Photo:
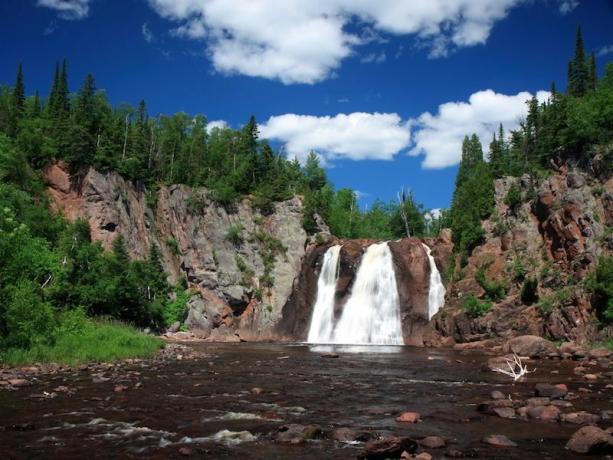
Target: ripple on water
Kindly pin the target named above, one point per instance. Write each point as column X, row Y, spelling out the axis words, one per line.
column 225, row 437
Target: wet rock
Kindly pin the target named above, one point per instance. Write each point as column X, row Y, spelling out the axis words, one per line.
column 408, row 417
column 532, row 402
column 545, row 413
column 296, row 434
column 497, row 395
column 529, row 345
column 489, row 407
column 505, row 412
column 591, row 440
column 344, row 435
column 432, row 442
column 423, row 456
column 590, row 377
column 580, row 418
column 561, row 403
column 186, row 451
column 18, row 382
column 551, row 391
column 498, row 440
column 388, row 447
column 598, row 353
column 330, row 355
column 119, row 388
column 257, row 390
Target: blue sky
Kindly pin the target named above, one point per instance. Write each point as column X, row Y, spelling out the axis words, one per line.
column 382, row 90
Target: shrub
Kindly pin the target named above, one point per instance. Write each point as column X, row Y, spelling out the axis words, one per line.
column 173, row 246
column 176, row 310
column 513, row 198
column 519, row 270
column 529, row 291
column 494, row 290
column 476, row 308
column 196, row 203
column 600, row 284
column 235, row 234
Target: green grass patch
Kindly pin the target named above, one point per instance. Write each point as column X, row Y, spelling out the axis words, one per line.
column 89, row 341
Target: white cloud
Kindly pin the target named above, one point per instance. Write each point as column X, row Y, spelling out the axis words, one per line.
column 354, row 136
column 608, row 49
column 147, row 34
column 566, row 6
column 439, row 137
column 301, row 41
column 377, row 58
column 68, row 9
column 221, row 124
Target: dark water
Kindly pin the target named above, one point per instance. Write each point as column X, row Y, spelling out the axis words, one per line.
column 190, row 403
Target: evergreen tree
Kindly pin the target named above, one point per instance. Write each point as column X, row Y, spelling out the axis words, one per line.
column 592, row 74
column 36, row 108
column 18, row 101
column 578, row 69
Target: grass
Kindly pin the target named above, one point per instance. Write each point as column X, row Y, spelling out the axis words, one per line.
column 95, row 341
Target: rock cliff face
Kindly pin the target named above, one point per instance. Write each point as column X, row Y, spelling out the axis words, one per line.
column 240, row 265
column 554, row 237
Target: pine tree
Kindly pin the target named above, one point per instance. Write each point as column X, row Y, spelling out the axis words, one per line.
column 592, row 74
column 52, row 103
column 18, row 101
column 63, row 101
column 36, row 108
column 578, row 69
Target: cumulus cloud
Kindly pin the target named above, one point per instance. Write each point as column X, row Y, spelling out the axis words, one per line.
column 354, row 136
column 67, row 9
column 298, row 41
column 566, row 6
column 211, row 125
column 608, row 49
column 439, row 137
column 147, row 34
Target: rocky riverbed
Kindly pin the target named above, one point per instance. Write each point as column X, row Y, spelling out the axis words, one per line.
column 265, row 401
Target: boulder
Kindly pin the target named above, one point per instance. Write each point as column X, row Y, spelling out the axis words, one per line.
column 529, row 345
column 581, row 418
column 432, row 442
column 408, row 417
column 498, row 440
column 591, row 440
column 551, row 391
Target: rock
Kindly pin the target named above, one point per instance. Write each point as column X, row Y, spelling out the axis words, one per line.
column 489, row 407
column 120, row 388
column 551, row 391
column 529, row 345
column 591, row 440
column 505, row 412
column 186, row 451
column 18, row 382
column 497, row 395
column 423, row 456
column 598, row 353
column 545, row 413
column 590, row 377
column 330, row 355
column 580, row 418
column 344, row 435
column 296, row 434
column 257, row 390
column 498, row 440
column 408, row 417
column 174, row 327
column 432, row 442
column 388, row 447
column 532, row 402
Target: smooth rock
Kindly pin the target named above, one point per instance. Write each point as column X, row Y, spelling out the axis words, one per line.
column 432, row 442
column 499, row 440
column 580, row 418
column 529, row 345
column 388, row 447
column 591, row 440
column 408, row 417
column 497, row 395
column 551, row 391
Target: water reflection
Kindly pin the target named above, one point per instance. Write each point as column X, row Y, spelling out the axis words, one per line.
column 326, row 348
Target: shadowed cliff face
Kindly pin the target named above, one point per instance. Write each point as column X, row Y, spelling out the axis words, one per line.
column 412, row 277
column 192, row 233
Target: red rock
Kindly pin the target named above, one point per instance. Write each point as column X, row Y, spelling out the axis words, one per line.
column 408, row 417
column 505, row 412
column 432, row 442
column 529, row 345
column 544, row 413
column 590, row 377
column 499, row 440
column 598, row 353
column 119, row 388
column 551, row 391
column 185, row 451
column 580, row 418
column 423, row 456
column 591, row 440
column 18, row 382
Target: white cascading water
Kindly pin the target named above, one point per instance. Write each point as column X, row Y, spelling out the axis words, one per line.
column 436, row 293
column 322, row 321
column 372, row 313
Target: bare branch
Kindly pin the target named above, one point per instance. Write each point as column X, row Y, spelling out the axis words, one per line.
column 517, row 369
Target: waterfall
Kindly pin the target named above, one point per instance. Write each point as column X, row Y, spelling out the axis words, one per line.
column 436, row 293
column 372, row 313
column 322, row 320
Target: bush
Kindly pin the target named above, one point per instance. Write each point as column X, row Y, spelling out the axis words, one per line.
column 235, row 234
column 513, row 198
column 494, row 290
column 600, row 284
column 176, row 310
column 196, row 203
column 476, row 308
column 529, row 291
column 173, row 246
column 28, row 319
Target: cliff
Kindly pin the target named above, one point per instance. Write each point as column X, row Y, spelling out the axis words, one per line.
column 239, row 264
column 553, row 238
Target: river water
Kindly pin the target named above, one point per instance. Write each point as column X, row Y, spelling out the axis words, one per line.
column 233, row 402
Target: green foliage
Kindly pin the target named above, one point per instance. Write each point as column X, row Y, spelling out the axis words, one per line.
column 494, row 290
column 173, row 245
column 75, row 343
column 529, row 293
column 600, row 284
column 476, row 308
column 176, row 310
column 196, row 203
column 513, row 198
column 235, row 234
